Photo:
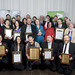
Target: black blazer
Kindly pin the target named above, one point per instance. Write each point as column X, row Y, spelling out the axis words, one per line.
column 14, row 48
column 54, row 47
column 43, row 23
column 23, row 30
column 54, row 25
column 71, row 49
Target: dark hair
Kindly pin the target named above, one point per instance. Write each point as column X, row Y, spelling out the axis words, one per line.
column 6, row 20
column 66, row 17
column 7, row 15
column 30, row 35
column 34, row 17
column 47, row 16
column 48, row 23
column 18, row 15
column 60, row 19
column 13, row 17
column 16, row 39
column 23, row 19
column 55, row 16
column 18, row 23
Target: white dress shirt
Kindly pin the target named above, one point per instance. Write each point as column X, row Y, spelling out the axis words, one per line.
column 67, row 48
column 28, row 29
column 60, row 26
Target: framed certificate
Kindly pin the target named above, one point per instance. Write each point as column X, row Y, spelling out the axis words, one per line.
column 34, row 53
column 8, row 32
column 15, row 34
column 26, row 36
column 59, row 33
column 65, row 59
column 2, row 50
column 48, row 54
column 16, row 57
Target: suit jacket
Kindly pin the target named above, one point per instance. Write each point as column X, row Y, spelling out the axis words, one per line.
column 73, row 34
column 42, row 23
column 54, row 47
column 23, row 30
column 54, row 25
column 2, row 24
column 64, row 26
column 14, row 48
column 71, row 51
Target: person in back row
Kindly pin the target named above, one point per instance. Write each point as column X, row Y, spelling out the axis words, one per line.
column 29, row 28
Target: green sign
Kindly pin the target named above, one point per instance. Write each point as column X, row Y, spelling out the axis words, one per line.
column 60, row 14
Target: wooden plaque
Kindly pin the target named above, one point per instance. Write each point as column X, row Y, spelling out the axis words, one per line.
column 65, row 59
column 2, row 50
column 34, row 53
column 16, row 57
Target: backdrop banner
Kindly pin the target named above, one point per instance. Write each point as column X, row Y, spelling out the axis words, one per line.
column 12, row 13
column 60, row 14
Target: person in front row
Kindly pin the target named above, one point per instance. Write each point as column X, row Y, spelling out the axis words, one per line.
column 50, row 45
column 68, row 48
column 3, row 59
column 31, row 43
column 18, row 46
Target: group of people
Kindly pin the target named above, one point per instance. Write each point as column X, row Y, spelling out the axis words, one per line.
column 43, row 36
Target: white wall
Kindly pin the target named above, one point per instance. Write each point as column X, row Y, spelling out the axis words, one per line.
column 40, row 7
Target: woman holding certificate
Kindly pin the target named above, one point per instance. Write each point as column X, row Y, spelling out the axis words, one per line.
column 7, row 33
column 40, row 32
column 17, row 50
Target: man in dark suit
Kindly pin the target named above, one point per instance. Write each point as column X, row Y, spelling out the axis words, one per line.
column 50, row 45
column 19, row 20
column 60, row 24
column 29, row 28
column 1, row 22
column 68, row 48
column 55, row 23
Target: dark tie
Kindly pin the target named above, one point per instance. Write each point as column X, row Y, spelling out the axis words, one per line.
column 65, row 48
column 70, row 34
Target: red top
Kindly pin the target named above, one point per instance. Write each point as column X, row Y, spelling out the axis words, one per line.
column 49, row 31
